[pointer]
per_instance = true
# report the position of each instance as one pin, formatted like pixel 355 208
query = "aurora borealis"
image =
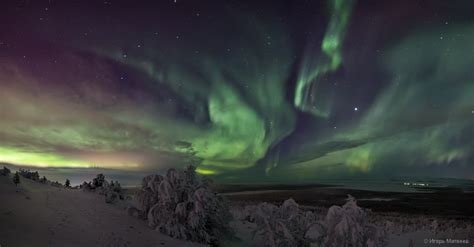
pixel 246 90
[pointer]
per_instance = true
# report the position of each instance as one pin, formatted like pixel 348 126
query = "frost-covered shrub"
pixel 280 226
pixel 181 205
pixel 98 180
pixel 115 187
pixel 348 226
pixel 288 225
pixel 43 180
pixel 112 191
pixel 29 174
pixel 56 184
pixel 87 186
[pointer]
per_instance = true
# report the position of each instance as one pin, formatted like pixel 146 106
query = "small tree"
pixel 99 180
pixel 56 184
pixel 116 187
pixel 16 178
pixel 67 184
pixel 35 176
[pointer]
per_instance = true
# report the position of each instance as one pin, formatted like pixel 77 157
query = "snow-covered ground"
pixel 35 214
pixel 400 229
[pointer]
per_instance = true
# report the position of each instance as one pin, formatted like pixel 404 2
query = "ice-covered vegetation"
pixel 29 174
pixel 280 226
pixel 397 224
pixel 348 226
pixel 289 225
pixel 56 184
pixel 43 180
pixel 112 191
pixel 181 205
pixel 32 175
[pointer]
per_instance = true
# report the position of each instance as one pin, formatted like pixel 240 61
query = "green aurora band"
pixel 313 69
pixel 408 128
pixel 237 109
pixel 225 105
pixel 243 122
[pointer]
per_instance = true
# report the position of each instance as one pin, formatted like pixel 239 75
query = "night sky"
pixel 245 90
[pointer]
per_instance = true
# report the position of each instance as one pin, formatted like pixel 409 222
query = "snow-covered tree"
pixel 29 174
pixel 181 205
pixel 288 225
pixel 112 191
pixel 99 180
pixel 280 226
pixel 348 226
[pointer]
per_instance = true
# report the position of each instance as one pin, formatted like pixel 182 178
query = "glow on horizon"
pixel 27 158
pixel 205 171
pixel 38 159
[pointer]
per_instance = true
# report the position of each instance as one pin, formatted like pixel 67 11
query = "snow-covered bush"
pixel 29 174
pixel 288 225
pixel 87 186
pixel 348 226
pixel 56 184
pixel 43 180
pixel 181 205
pixel 99 180
pixel 112 191
pixel 280 226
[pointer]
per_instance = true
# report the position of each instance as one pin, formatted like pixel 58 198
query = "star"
pixel 356 109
